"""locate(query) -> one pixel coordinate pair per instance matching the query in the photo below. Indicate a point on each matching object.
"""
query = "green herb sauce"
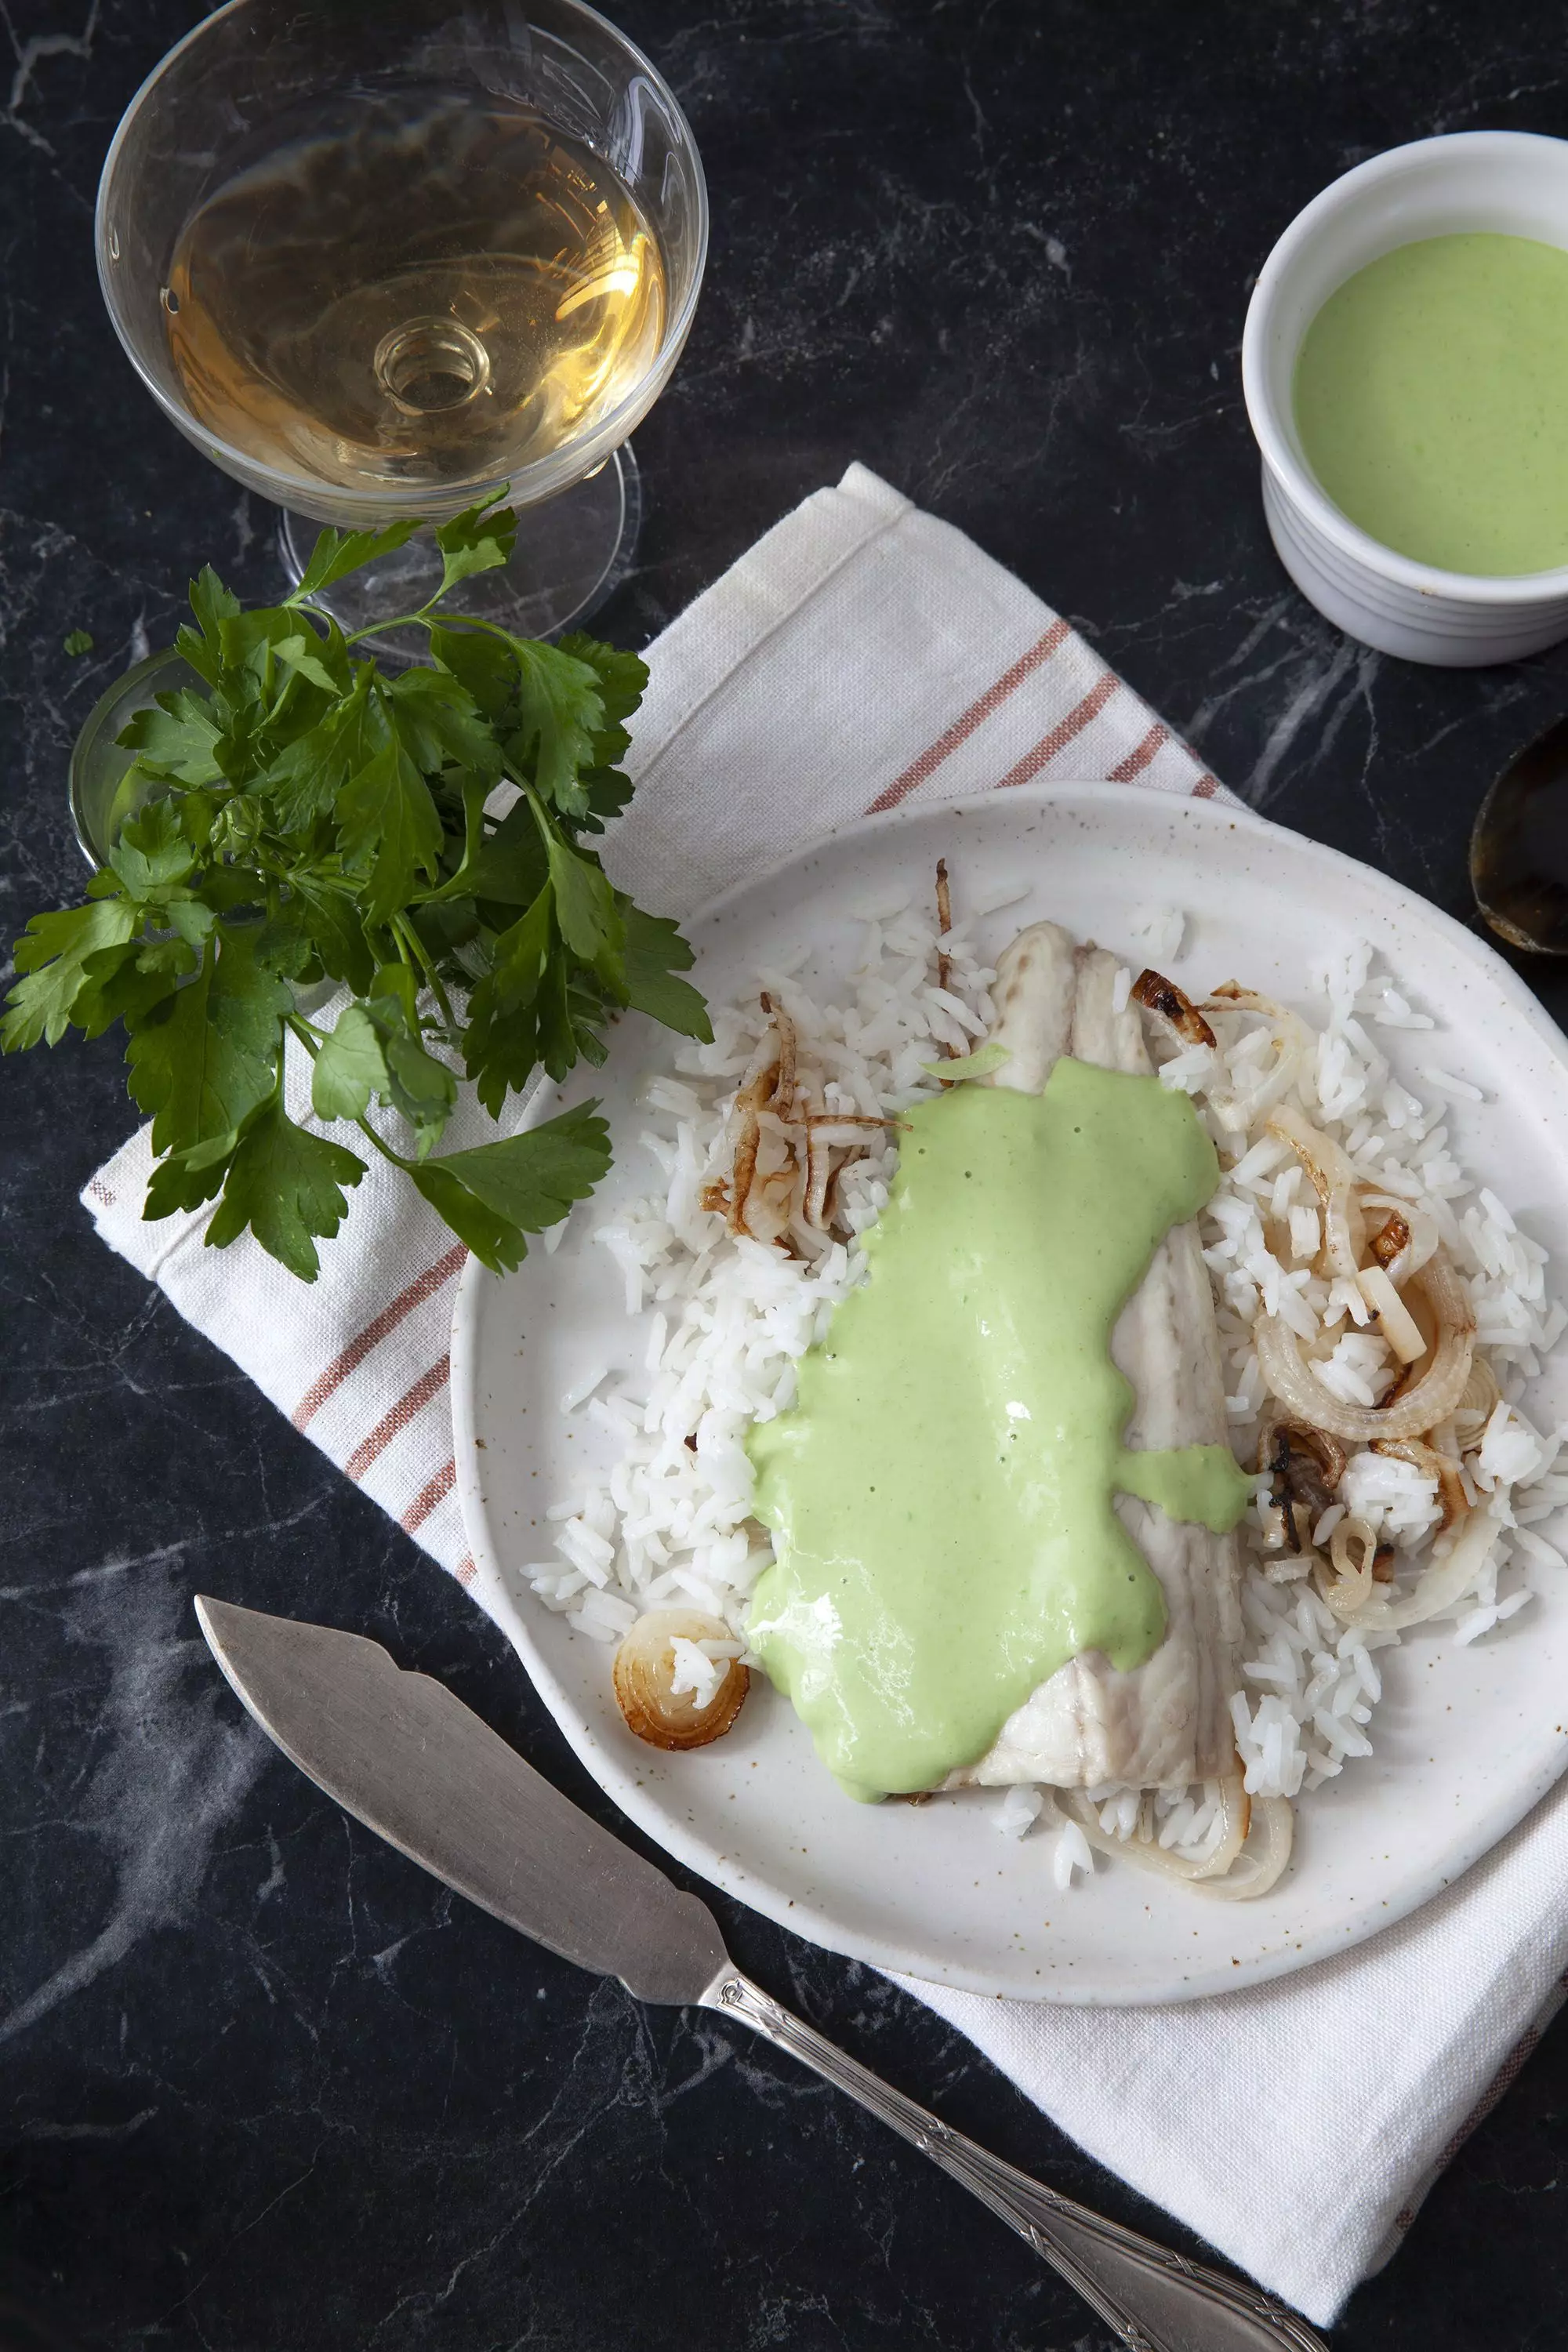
(1430, 400)
(941, 1493)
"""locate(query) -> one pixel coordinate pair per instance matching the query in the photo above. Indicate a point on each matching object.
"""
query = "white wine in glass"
(378, 259)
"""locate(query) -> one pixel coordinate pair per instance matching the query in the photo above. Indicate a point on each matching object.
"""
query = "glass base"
(571, 553)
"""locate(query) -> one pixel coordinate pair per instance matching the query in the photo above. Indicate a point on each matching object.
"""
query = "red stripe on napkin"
(1080, 716)
(976, 715)
(426, 1500)
(1138, 759)
(414, 1401)
(353, 1355)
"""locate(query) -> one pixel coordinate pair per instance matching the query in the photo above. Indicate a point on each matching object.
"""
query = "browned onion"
(1332, 1177)
(1329, 1453)
(1439, 1585)
(1173, 1011)
(1432, 1463)
(1243, 1865)
(783, 1097)
(1430, 1400)
(1351, 1588)
(1419, 1234)
(645, 1670)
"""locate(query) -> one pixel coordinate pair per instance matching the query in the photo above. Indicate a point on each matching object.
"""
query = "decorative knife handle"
(1155, 2301)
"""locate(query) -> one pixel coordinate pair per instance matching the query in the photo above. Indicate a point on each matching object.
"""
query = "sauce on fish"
(941, 1495)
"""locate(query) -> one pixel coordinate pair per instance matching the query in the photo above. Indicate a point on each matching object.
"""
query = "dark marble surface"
(263, 2084)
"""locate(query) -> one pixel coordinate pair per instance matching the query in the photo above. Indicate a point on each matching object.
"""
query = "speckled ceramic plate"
(1467, 1739)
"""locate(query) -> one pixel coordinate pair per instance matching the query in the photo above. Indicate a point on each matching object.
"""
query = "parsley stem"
(405, 930)
(386, 1150)
(420, 620)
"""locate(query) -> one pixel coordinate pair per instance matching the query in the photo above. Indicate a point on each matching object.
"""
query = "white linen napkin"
(862, 654)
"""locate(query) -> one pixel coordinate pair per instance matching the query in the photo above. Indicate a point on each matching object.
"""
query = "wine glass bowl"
(377, 261)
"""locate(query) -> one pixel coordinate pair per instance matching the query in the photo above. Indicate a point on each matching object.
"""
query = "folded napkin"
(1296, 2126)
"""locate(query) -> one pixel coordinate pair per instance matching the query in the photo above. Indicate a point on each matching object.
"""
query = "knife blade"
(417, 1766)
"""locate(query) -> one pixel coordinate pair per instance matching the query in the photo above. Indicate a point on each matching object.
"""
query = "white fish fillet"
(1167, 1723)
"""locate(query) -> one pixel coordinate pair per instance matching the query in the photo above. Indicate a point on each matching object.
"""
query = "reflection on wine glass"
(377, 257)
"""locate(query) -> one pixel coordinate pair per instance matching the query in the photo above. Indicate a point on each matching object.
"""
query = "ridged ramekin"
(1510, 182)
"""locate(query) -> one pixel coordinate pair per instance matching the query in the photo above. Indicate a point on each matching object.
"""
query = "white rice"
(731, 1316)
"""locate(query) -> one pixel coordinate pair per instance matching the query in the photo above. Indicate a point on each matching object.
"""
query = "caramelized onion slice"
(1394, 1320)
(1166, 1001)
(1407, 1238)
(1448, 1580)
(1430, 1400)
(1265, 1857)
(1289, 1027)
(1432, 1463)
(783, 1096)
(1304, 1466)
(1332, 1177)
(644, 1673)
(1240, 1867)
(1481, 1391)
(1327, 1451)
(1352, 1551)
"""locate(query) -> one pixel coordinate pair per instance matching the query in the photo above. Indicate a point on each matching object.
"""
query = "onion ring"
(1294, 1047)
(644, 1675)
(1432, 1463)
(1448, 1580)
(1333, 1179)
(1229, 1879)
(1351, 1590)
(1288, 1377)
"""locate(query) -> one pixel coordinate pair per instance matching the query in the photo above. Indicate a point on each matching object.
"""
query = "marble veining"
(263, 2083)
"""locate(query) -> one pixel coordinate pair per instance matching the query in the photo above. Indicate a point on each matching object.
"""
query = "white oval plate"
(1465, 1740)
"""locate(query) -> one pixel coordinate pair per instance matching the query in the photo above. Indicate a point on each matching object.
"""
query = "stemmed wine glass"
(376, 258)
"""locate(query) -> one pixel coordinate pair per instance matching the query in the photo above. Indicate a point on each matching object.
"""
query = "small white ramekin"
(1512, 181)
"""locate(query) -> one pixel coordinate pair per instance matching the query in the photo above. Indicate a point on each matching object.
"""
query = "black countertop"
(263, 2084)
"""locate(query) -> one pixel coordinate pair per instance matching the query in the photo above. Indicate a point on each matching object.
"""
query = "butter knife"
(411, 1762)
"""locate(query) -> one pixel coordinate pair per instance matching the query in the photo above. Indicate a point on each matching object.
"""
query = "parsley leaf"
(205, 1058)
(390, 829)
(496, 1193)
(374, 1051)
(153, 855)
(285, 1183)
(338, 553)
(308, 772)
(586, 908)
(655, 953)
(175, 737)
(478, 540)
(485, 666)
(351, 1067)
(559, 712)
(53, 954)
(440, 723)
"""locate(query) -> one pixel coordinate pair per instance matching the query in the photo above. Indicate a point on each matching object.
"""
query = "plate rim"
(649, 1813)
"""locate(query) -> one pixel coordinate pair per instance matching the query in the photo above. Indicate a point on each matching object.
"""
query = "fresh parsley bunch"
(307, 817)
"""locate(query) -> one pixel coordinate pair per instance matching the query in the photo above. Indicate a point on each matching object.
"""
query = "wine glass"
(377, 258)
